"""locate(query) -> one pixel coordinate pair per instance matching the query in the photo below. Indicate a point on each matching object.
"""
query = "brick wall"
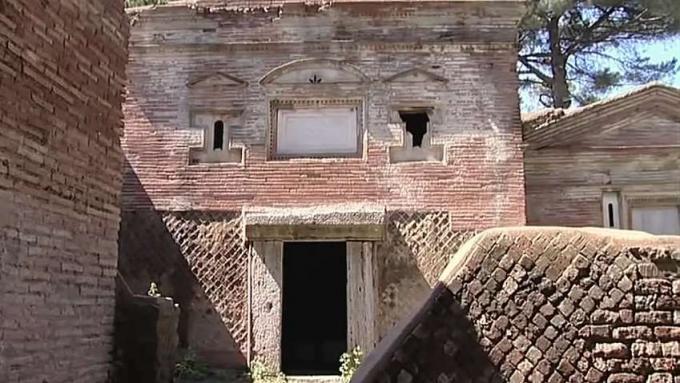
(469, 44)
(61, 83)
(544, 305)
(630, 145)
(565, 186)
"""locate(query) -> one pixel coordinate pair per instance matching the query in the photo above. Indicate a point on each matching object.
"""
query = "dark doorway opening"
(314, 303)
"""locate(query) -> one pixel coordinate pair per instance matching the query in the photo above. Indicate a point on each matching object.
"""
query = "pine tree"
(578, 50)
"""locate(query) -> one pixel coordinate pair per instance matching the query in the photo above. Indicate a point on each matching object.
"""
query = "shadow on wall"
(417, 248)
(442, 347)
(145, 337)
(164, 248)
(543, 305)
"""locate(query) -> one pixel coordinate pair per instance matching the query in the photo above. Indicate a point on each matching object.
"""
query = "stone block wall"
(201, 260)
(61, 85)
(544, 305)
(146, 337)
(416, 249)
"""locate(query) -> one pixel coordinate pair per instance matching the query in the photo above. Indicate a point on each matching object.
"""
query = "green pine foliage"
(579, 50)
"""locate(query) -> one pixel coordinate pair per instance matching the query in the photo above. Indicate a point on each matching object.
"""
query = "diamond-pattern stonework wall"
(201, 260)
(417, 248)
(544, 305)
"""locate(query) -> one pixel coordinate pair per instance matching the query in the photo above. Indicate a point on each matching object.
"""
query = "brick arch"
(544, 305)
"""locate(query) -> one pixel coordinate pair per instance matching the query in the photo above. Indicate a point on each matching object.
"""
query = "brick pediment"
(415, 75)
(314, 72)
(648, 116)
(215, 79)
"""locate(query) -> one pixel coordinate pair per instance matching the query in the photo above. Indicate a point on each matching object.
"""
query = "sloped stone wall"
(61, 85)
(544, 305)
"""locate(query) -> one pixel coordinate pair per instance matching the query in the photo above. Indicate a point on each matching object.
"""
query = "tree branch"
(535, 71)
(588, 33)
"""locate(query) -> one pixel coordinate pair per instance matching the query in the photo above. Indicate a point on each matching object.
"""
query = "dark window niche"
(416, 124)
(218, 135)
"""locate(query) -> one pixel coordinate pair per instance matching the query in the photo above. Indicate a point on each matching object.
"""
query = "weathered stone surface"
(186, 254)
(61, 86)
(613, 344)
(145, 337)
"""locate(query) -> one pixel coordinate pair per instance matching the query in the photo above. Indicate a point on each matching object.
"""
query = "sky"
(665, 50)
(658, 51)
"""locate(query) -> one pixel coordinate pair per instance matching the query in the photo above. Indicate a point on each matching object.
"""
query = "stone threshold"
(313, 379)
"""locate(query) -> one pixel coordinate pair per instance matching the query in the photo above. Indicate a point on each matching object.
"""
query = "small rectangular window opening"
(218, 135)
(416, 124)
(610, 210)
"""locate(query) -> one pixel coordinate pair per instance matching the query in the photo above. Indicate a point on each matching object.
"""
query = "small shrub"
(349, 363)
(191, 368)
(153, 290)
(259, 373)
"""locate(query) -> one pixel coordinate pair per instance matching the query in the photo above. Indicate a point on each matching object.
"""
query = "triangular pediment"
(416, 75)
(646, 128)
(648, 116)
(314, 72)
(215, 79)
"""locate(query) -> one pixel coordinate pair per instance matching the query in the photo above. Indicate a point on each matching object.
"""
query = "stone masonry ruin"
(62, 79)
(544, 305)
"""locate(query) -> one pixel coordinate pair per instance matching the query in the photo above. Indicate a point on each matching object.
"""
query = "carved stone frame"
(267, 230)
(428, 151)
(632, 201)
(231, 154)
(265, 296)
(308, 103)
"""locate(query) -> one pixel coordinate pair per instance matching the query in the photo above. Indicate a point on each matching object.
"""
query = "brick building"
(298, 174)
(615, 163)
(61, 87)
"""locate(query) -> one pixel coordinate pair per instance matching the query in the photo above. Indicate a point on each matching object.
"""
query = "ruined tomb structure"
(299, 174)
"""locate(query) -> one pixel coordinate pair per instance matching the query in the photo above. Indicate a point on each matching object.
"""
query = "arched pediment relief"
(215, 79)
(416, 75)
(314, 72)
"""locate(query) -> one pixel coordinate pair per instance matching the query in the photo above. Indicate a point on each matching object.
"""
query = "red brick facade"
(480, 183)
(61, 86)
